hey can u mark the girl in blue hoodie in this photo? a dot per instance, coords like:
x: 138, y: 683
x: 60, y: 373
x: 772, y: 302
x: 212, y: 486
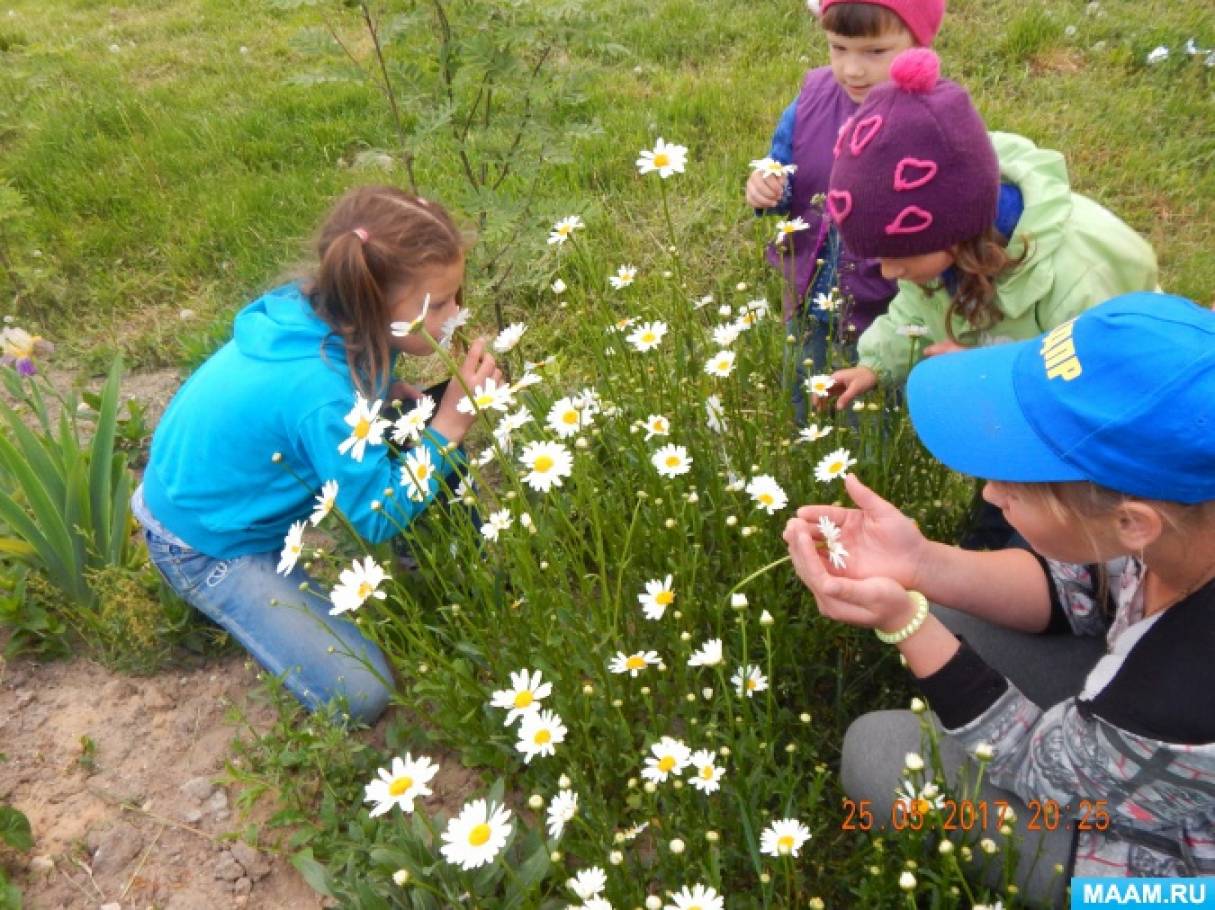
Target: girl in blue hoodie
x: 282, y: 424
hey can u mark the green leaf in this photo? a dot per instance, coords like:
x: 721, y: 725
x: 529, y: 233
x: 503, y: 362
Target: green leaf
x: 101, y: 459
x: 314, y: 873
x: 15, y: 829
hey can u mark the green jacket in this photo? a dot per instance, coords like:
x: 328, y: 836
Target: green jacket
x: 1080, y: 255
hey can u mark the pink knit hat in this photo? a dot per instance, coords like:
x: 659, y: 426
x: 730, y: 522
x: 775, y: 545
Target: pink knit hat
x: 922, y: 17
x: 915, y: 171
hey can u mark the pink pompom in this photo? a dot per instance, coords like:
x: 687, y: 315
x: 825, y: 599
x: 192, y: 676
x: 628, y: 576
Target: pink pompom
x: 916, y: 70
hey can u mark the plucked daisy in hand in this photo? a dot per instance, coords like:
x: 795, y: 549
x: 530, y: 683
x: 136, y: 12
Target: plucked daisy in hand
x: 356, y: 584
x: 634, y: 663
x: 665, y: 158
x: 672, y: 460
x: 625, y: 275
x: 790, y: 227
x: 720, y: 364
x: 709, y: 655
x: 669, y: 757
x: 400, y: 786
x: 836, y: 552
x: 566, y: 417
x: 366, y: 427
x: 293, y: 546
x: 477, y: 835
x: 410, y: 425
x: 770, y: 167
x: 588, y: 883
x: 561, y: 810
x: 496, y: 523
x: 748, y: 680
x: 547, y: 463
x: 539, y: 734
x: 657, y: 425
x: 657, y: 597
x: 767, y: 493
x: 647, y: 336
x: 562, y: 231
x: 527, y: 690
x: 834, y: 466
x: 819, y: 386
x: 418, y: 473
x: 813, y: 433
x: 715, y: 414
x: 783, y: 838
x: 698, y: 897
x: 324, y: 502
x: 487, y: 396
x: 509, y: 337
x: 706, y: 774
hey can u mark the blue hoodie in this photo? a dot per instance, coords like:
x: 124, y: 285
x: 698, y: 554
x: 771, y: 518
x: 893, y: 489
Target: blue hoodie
x: 211, y: 480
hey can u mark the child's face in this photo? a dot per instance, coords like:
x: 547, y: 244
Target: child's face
x: 859, y: 64
x: 923, y: 269
x: 1074, y: 539
x: 442, y: 283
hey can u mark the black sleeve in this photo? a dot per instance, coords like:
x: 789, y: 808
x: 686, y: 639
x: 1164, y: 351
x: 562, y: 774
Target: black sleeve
x: 962, y: 689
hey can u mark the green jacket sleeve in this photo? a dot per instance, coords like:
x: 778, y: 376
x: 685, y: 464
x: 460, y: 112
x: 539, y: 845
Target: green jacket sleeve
x: 886, y: 350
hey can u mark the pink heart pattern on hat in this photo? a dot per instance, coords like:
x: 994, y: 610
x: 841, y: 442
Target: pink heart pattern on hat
x: 840, y: 204
x: 839, y: 139
x: 911, y: 220
x: 927, y: 169
x: 865, y: 132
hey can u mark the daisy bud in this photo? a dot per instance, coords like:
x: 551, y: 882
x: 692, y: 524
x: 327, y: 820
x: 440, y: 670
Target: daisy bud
x: 765, y: 618
x: 791, y: 748
x: 669, y: 523
x: 562, y: 305
x: 691, y: 696
x: 945, y: 847
x: 1058, y: 868
x: 907, y: 881
x: 731, y: 521
x: 1012, y: 889
x: 677, y: 783
x: 653, y: 902
x: 616, y: 702
x: 423, y: 669
x: 330, y: 649
x: 804, y: 717
x: 318, y: 552
x: 738, y: 601
x: 649, y: 786
x: 615, y: 857
x: 685, y: 635
x: 401, y: 876
x: 645, y: 690
x: 544, y: 565
x: 535, y: 801
x: 988, y: 846
x: 658, y: 501
x: 388, y: 491
x: 642, y: 494
x: 741, y: 286
x: 764, y: 878
x: 510, y: 494
x: 918, y: 706
x: 581, y: 442
x: 875, y: 870
x: 276, y: 457
x: 706, y: 693
x: 677, y: 846
x: 692, y: 497
x: 816, y: 903
x: 724, y: 751
x: 984, y: 752
x: 558, y: 286
x: 808, y: 363
x: 555, y: 856
x: 1009, y: 815
x: 1006, y: 830
x: 619, y: 837
x: 376, y: 505
x: 666, y: 273
x: 588, y: 689
x: 748, y: 531
x: 564, y: 782
x: 966, y: 853
x: 724, y: 310
x: 913, y: 762
x: 303, y: 587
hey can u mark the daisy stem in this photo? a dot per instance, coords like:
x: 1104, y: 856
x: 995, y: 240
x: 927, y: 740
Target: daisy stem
x: 666, y: 211
x: 758, y: 572
x: 790, y: 890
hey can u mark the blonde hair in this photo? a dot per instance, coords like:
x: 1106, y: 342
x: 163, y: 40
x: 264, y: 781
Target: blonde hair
x: 375, y: 241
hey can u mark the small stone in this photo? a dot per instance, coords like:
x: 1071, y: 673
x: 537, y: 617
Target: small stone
x: 254, y: 863
x: 24, y: 698
x: 114, y: 905
x: 42, y: 864
x: 155, y: 699
x: 192, y: 816
x: 217, y: 803
x: 118, y: 847
x: 198, y: 789
x: 242, y: 886
x: 228, y: 869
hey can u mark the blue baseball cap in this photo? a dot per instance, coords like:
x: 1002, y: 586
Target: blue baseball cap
x: 1123, y: 396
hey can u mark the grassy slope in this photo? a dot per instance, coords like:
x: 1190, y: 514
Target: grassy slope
x: 165, y: 168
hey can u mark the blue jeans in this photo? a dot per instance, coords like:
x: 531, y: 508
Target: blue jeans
x: 288, y: 631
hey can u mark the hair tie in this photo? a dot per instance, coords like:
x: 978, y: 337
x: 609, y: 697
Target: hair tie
x: 361, y: 233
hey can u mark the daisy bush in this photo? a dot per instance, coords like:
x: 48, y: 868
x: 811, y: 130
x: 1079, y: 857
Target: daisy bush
x: 603, y: 625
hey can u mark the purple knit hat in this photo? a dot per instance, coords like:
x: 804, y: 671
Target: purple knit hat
x: 922, y: 17
x: 915, y: 171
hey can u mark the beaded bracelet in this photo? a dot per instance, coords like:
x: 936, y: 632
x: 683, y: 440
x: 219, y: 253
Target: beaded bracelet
x: 921, y: 614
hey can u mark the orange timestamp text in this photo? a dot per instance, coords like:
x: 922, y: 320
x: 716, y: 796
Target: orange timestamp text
x: 976, y: 815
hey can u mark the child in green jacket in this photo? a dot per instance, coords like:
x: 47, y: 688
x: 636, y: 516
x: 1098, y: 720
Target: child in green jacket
x: 982, y: 231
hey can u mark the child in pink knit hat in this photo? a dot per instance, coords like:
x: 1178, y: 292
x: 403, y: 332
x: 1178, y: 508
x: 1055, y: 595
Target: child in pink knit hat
x: 863, y: 39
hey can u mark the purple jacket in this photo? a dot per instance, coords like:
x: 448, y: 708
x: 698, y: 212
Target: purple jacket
x: 819, y: 112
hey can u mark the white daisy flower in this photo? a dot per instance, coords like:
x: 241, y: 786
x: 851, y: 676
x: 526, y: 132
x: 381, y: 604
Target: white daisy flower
x: 477, y: 835
x: 837, y: 554
x: 672, y: 460
x: 783, y: 837
x: 1157, y: 55
x: 670, y: 756
x: 706, y: 775
x: 485, y: 457
x: 748, y: 680
x: 588, y: 883
x: 598, y: 902
x: 410, y: 425
x: 562, y: 231
x: 715, y: 414
x: 657, y: 597
x: 829, y: 529
x: 788, y: 228
x: 558, y: 286
x: 720, y: 364
x: 509, y: 337
x: 293, y: 546
x: 701, y: 302
x: 634, y: 663
x: 834, y: 465
x: 647, y: 336
x: 324, y: 502
x: 625, y: 275
x: 767, y: 493
x: 621, y: 324
x: 819, y: 385
x: 489, y: 395
x: 496, y: 523
x: 828, y: 301
x: 913, y: 800
x: 539, y: 734
x: 526, y: 692
x: 356, y: 584
x: 366, y: 427
x: 418, y: 474
x: 508, y: 424
x: 402, y: 785
x: 451, y: 325
x: 912, y: 331
x: 402, y: 329
x: 547, y: 464
x: 726, y: 335
x: 759, y: 306
x: 657, y: 425
x: 770, y: 167
x: 633, y: 831
x: 530, y: 377
x: 665, y: 158
x: 698, y: 898
x: 561, y: 810
x: 566, y: 418
x: 709, y: 655
x: 813, y: 433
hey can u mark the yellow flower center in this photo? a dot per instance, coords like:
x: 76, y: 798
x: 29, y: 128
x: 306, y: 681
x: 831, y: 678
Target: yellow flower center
x: 484, y: 401
x: 707, y: 772
x: 569, y: 417
x: 479, y: 835
x: 672, y: 461
x: 365, y: 590
x: 648, y: 338
x: 542, y: 737
x: 543, y: 464
x: 785, y: 843
x: 751, y: 683
x: 921, y: 806
x: 835, y: 467
x: 661, y: 159
x: 564, y: 230
x: 523, y: 699
x: 665, y: 598
x: 666, y: 763
x: 422, y: 472
x: 766, y: 498
x: 636, y: 662
x: 399, y: 786
x: 362, y: 428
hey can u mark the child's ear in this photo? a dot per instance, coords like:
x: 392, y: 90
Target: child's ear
x: 1139, y: 525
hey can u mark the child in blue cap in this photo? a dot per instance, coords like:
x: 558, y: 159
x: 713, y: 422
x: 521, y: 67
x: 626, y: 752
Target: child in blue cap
x: 1085, y: 673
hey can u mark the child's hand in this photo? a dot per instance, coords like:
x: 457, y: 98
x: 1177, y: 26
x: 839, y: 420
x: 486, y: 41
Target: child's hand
x: 875, y: 602
x: 478, y: 366
x: 849, y: 384
x: 404, y: 391
x: 764, y: 192
x: 881, y: 541
x: 944, y: 347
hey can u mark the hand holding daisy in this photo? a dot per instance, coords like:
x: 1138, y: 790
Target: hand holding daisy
x: 478, y: 366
